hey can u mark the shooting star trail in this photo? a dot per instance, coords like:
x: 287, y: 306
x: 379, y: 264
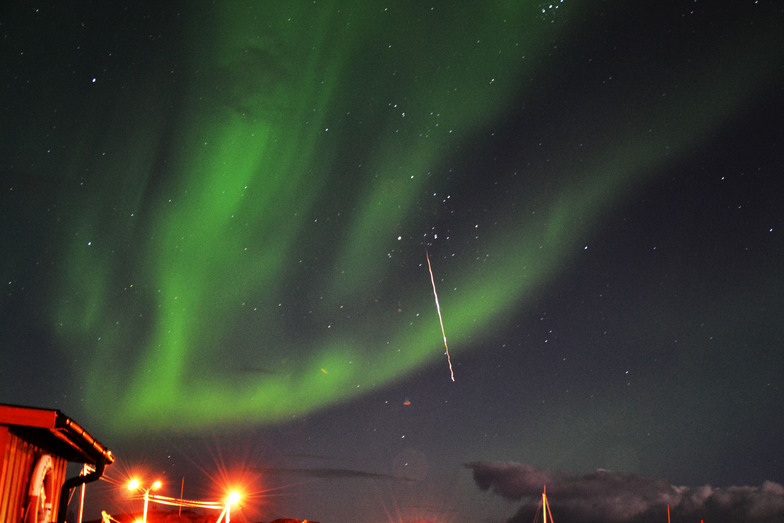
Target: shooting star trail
x: 440, y: 319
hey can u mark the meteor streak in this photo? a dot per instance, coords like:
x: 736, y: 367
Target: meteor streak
x: 440, y: 319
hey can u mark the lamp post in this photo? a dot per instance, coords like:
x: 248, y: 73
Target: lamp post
x: 233, y: 499
x: 134, y: 485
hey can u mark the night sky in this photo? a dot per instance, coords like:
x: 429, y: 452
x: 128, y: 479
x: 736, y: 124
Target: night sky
x: 216, y: 218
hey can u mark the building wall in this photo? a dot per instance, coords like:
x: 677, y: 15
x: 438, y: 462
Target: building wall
x: 16, y: 469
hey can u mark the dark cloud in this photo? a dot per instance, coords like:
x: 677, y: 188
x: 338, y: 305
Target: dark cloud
x: 622, y: 497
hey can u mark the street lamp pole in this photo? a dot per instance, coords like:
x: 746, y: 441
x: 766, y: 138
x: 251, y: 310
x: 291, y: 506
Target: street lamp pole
x: 134, y: 485
x: 233, y: 499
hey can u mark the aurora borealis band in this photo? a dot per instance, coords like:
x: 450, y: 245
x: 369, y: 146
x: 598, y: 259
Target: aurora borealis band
x: 218, y: 213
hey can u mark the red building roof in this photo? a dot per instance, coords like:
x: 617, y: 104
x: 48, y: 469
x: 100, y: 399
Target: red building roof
x: 56, y: 432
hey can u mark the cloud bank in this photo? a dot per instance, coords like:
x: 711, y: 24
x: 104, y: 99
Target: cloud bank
x: 619, y: 497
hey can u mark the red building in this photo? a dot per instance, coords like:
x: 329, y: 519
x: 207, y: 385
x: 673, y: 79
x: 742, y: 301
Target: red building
x: 37, y: 444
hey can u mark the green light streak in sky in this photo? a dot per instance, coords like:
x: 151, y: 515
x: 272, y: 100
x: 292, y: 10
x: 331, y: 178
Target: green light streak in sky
x: 232, y: 318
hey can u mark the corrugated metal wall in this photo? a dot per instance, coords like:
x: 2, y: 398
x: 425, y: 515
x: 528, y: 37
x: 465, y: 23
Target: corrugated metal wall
x: 58, y: 478
x: 19, y: 459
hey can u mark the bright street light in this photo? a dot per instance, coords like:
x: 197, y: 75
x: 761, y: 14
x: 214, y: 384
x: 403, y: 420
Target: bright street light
x: 233, y: 499
x: 134, y: 485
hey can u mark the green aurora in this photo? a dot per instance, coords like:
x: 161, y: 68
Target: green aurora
x: 252, y: 245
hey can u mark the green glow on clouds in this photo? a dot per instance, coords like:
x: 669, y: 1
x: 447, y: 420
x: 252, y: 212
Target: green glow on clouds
x: 253, y: 281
